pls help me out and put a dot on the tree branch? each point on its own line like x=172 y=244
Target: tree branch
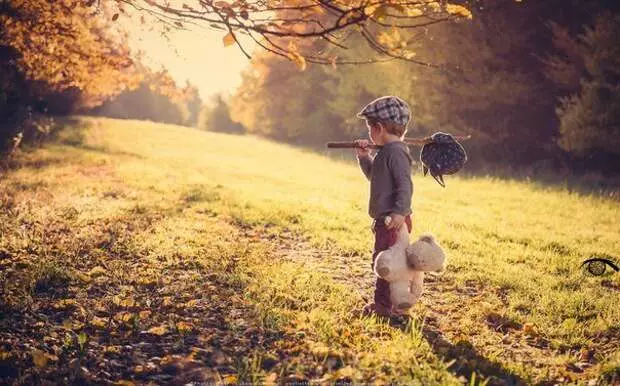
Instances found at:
x=292 y=20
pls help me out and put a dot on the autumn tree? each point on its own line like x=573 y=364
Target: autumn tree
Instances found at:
x=275 y=102
x=216 y=117
x=489 y=80
x=57 y=51
x=156 y=99
x=283 y=27
x=65 y=45
x=477 y=87
x=587 y=66
x=193 y=105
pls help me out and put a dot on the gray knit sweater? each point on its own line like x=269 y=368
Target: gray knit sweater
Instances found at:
x=389 y=174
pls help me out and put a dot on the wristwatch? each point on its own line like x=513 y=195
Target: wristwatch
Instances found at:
x=387 y=221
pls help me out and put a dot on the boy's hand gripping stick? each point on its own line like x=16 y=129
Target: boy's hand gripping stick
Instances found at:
x=408 y=141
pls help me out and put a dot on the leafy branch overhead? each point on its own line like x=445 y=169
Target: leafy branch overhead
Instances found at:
x=315 y=31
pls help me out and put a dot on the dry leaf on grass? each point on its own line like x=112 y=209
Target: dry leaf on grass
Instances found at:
x=184 y=326
x=160 y=330
x=530 y=329
x=123 y=302
x=271 y=379
x=40 y=358
x=97 y=271
x=65 y=304
x=83 y=277
x=124 y=383
x=98 y=322
x=124 y=316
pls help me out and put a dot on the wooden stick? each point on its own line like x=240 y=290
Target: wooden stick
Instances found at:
x=349 y=145
x=408 y=141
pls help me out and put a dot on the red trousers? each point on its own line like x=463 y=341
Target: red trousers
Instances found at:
x=384 y=239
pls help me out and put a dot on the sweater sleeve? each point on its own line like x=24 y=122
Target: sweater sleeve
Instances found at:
x=400 y=169
x=366 y=165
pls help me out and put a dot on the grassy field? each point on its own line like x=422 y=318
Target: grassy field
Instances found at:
x=140 y=252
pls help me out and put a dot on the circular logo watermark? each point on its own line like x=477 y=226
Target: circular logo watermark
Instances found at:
x=598 y=265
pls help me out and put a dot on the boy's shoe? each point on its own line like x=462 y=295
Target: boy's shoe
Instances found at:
x=368 y=310
x=371 y=309
x=400 y=320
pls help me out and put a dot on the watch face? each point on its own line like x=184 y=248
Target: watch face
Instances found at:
x=388 y=220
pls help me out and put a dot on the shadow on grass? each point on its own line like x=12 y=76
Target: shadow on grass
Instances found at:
x=161 y=317
x=107 y=151
x=67 y=131
x=73 y=133
x=467 y=360
x=15 y=163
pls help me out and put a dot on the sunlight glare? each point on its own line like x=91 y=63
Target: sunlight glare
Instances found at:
x=193 y=54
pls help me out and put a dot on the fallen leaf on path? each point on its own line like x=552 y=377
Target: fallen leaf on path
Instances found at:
x=97 y=271
x=271 y=379
x=160 y=330
x=530 y=329
x=101 y=308
x=184 y=326
x=98 y=322
x=123 y=302
x=346 y=372
x=112 y=349
x=72 y=324
x=124 y=316
x=190 y=304
x=83 y=277
x=65 y=304
x=124 y=383
x=39 y=358
x=147 y=282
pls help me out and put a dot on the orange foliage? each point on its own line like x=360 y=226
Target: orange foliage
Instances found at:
x=68 y=45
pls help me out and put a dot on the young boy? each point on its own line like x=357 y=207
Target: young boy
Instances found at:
x=391 y=188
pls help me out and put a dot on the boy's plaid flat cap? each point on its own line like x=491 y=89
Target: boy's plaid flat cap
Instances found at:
x=387 y=108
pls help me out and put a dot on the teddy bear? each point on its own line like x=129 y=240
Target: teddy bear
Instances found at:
x=403 y=266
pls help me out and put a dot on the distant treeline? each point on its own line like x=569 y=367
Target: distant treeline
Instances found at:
x=187 y=109
x=59 y=57
x=536 y=83
x=152 y=102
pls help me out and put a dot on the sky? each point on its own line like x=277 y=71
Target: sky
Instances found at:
x=196 y=55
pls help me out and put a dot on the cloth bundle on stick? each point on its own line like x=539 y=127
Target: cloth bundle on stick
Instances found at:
x=441 y=153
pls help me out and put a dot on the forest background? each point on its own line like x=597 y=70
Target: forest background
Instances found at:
x=536 y=83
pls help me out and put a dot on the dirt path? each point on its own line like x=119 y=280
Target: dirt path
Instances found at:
x=113 y=290
x=114 y=318
x=441 y=312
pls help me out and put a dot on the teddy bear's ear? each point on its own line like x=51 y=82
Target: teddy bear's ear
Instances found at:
x=427 y=238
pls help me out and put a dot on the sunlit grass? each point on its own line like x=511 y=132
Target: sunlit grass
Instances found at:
x=499 y=233
x=519 y=245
